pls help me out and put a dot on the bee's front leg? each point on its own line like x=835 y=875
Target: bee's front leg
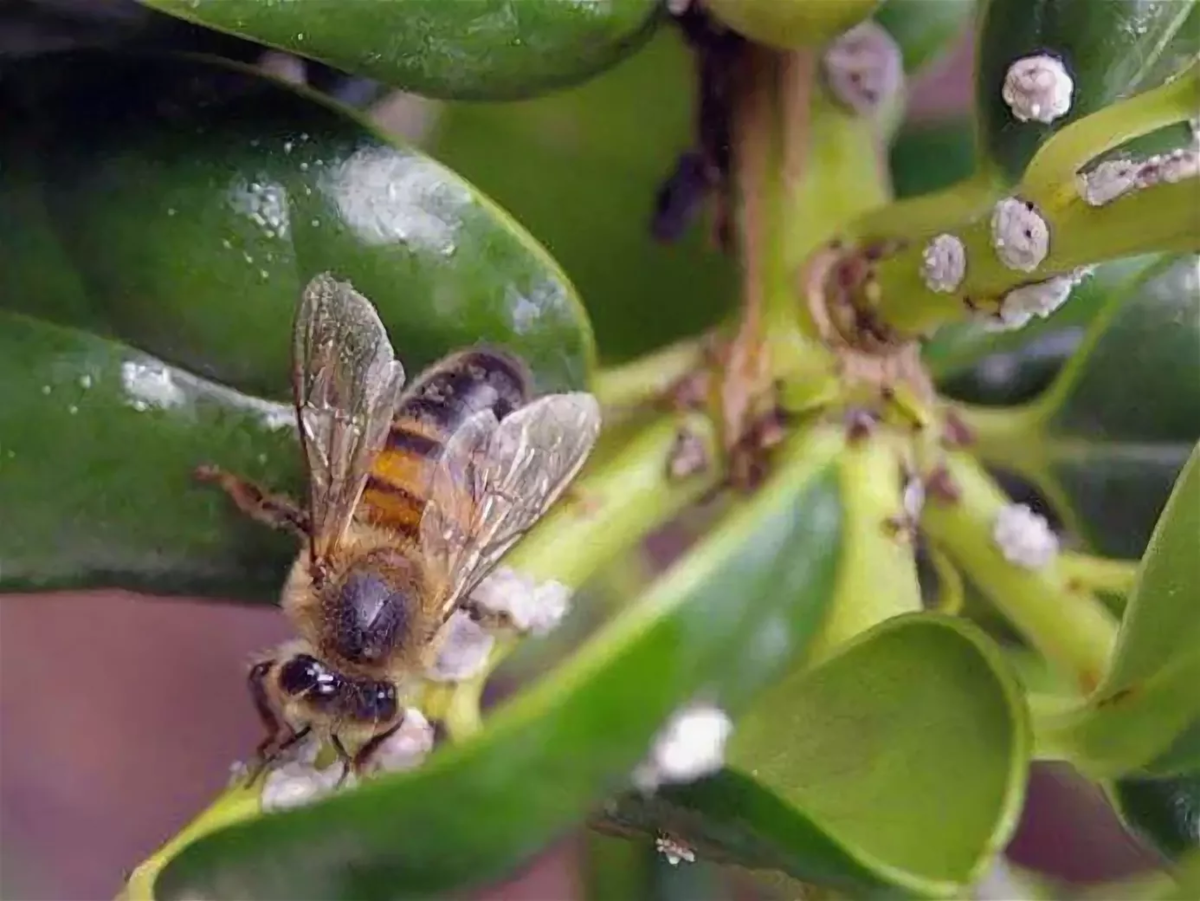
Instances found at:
x=271 y=509
x=280 y=736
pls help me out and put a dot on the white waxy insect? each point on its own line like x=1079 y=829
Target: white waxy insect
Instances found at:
x=1038 y=89
x=864 y=67
x=1020 y=235
x=690 y=746
x=944 y=263
x=675 y=850
x=1024 y=537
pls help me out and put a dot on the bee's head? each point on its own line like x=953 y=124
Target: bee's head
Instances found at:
x=327 y=694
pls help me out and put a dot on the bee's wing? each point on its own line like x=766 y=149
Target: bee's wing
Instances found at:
x=495 y=480
x=346 y=383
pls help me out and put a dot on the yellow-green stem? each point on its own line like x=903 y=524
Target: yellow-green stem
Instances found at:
x=916 y=218
x=1054 y=166
x=878 y=572
x=1163 y=217
x=613 y=507
x=646 y=378
x=1099 y=573
x=1071 y=628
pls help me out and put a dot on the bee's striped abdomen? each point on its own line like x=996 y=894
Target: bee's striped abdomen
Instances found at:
x=439 y=401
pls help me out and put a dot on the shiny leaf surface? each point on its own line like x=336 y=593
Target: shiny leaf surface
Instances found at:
x=1164 y=812
x=896 y=768
x=1147 y=706
x=186 y=220
x=550 y=754
x=183 y=221
x=1110 y=49
x=581 y=169
x=1126 y=411
x=99 y=445
x=478 y=49
x=974 y=363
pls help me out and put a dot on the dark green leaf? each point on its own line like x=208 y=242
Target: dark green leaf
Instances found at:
x=183 y=220
x=1165 y=812
x=923 y=28
x=1126 y=412
x=581 y=169
x=1109 y=48
x=479 y=49
x=926 y=156
x=1145 y=715
x=974 y=363
x=896 y=768
x=96 y=466
x=547 y=756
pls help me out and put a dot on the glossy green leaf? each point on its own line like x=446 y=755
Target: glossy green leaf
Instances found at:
x=1161 y=622
x=477 y=49
x=1109 y=48
x=974 y=363
x=924 y=29
x=99 y=443
x=896 y=768
x=581 y=170
x=1126 y=411
x=927 y=156
x=547 y=756
x=184 y=222
x=1148 y=699
x=1164 y=812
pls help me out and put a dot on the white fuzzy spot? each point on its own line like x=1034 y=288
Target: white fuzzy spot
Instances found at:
x=406 y=748
x=298 y=782
x=913 y=498
x=678 y=7
x=1108 y=181
x=149 y=383
x=1040 y=299
x=1038 y=89
x=1116 y=178
x=674 y=850
x=388 y=197
x=1024 y=537
x=863 y=67
x=944 y=263
x=531 y=606
x=464 y=651
x=691 y=745
x=266 y=205
x=1020 y=235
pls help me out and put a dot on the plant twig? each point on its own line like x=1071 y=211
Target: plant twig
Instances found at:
x=1070 y=628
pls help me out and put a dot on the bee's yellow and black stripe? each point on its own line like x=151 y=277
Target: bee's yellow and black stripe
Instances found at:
x=439 y=401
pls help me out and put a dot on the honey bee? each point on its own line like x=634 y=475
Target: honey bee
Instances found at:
x=413 y=497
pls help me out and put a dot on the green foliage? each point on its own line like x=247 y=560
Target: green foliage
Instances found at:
x=160 y=213
x=468 y=49
x=1109 y=49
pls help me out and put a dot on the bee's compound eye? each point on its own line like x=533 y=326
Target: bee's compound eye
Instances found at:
x=301 y=674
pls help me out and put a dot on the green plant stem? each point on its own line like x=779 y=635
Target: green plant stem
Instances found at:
x=878 y=575
x=1099 y=573
x=1161 y=218
x=614 y=506
x=1071 y=628
x=915 y=218
x=1054 y=166
x=648 y=377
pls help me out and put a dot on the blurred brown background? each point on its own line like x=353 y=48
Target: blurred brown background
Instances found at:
x=120 y=716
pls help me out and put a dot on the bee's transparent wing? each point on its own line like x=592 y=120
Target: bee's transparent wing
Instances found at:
x=495 y=480
x=346 y=382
